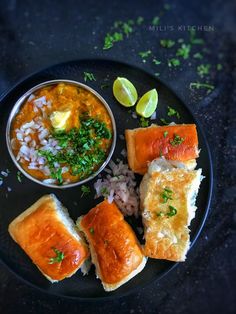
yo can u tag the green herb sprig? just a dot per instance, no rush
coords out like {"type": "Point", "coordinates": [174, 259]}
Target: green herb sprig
{"type": "Point", "coordinates": [172, 112]}
{"type": "Point", "coordinates": [85, 190]}
{"type": "Point", "coordinates": [177, 140]}
{"type": "Point", "coordinates": [58, 258]}
{"type": "Point", "coordinates": [166, 195]}
{"type": "Point", "coordinates": [89, 76]}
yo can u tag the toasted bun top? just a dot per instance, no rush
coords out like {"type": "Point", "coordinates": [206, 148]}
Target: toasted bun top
{"type": "Point", "coordinates": [167, 237]}
{"type": "Point", "coordinates": [146, 144]}
{"type": "Point", "coordinates": [116, 247]}
{"type": "Point", "coordinates": [46, 226]}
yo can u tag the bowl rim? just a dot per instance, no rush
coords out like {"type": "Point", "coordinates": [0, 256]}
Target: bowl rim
{"type": "Point", "coordinates": [21, 100]}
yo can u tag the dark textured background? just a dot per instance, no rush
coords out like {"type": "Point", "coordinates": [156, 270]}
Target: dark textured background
{"type": "Point", "coordinates": [37, 34]}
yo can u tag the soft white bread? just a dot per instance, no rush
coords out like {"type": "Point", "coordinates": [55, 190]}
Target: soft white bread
{"type": "Point", "coordinates": [114, 248]}
{"type": "Point", "coordinates": [167, 196]}
{"type": "Point", "coordinates": [48, 236]}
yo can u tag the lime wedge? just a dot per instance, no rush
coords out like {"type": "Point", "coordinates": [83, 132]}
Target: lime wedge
{"type": "Point", "coordinates": [125, 92]}
{"type": "Point", "coordinates": [147, 104]}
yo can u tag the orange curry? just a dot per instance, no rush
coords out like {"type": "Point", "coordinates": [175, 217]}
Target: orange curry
{"type": "Point", "coordinates": [62, 133]}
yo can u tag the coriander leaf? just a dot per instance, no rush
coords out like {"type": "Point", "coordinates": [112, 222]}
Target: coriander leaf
{"type": "Point", "coordinates": [167, 43]}
{"type": "Point", "coordinates": [85, 190]}
{"type": "Point", "coordinates": [160, 214]}
{"type": "Point", "coordinates": [140, 20]}
{"type": "Point", "coordinates": [184, 51]}
{"type": "Point", "coordinates": [127, 29]}
{"type": "Point", "coordinates": [166, 195]}
{"type": "Point", "coordinates": [89, 76]}
{"type": "Point", "coordinates": [198, 55]}
{"type": "Point", "coordinates": [172, 212]}
{"type": "Point", "coordinates": [173, 62]}
{"type": "Point", "coordinates": [177, 140]}
{"type": "Point", "coordinates": [19, 176]}
{"type": "Point", "coordinates": [91, 230]}
{"type": "Point", "coordinates": [164, 121]}
{"type": "Point", "coordinates": [103, 86]}
{"type": "Point", "coordinates": [155, 21]}
{"type": "Point", "coordinates": [203, 69]}
{"type": "Point", "coordinates": [145, 54]}
{"type": "Point", "coordinates": [165, 134]}
{"type": "Point", "coordinates": [172, 112]}
{"type": "Point", "coordinates": [59, 257]}
{"type": "Point", "coordinates": [110, 39]}
{"type": "Point", "coordinates": [143, 122]}
{"type": "Point", "coordinates": [155, 61]}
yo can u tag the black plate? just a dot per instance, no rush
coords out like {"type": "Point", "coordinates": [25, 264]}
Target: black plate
{"type": "Point", "coordinates": [22, 195]}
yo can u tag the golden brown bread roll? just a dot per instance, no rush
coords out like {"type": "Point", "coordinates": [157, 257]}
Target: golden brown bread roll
{"type": "Point", "coordinates": [48, 236]}
{"type": "Point", "coordinates": [114, 247]}
{"type": "Point", "coordinates": [175, 142]}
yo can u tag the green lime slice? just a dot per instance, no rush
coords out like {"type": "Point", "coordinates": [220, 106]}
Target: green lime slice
{"type": "Point", "coordinates": [125, 92]}
{"type": "Point", "coordinates": [147, 104]}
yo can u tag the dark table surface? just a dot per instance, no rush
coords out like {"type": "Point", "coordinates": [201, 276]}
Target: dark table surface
{"type": "Point", "coordinates": [37, 34]}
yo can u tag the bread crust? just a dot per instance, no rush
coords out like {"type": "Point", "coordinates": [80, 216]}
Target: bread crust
{"type": "Point", "coordinates": [146, 144]}
{"type": "Point", "coordinates": [168, 237]}
{"type": "Point", "coordinates": [115, 250]}
{"type": "Point", "coordinates": [43, 227]}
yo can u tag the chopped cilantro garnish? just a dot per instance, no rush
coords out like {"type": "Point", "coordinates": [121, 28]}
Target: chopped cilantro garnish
{"type": "Point", "coordinates": [19, 176]}
{"type": "Point", "coordinates": [155, 21]}
{"type": "Point", "coordinates": [172, 212]}
{"type": "Point", "coordinates": [164, 121]}
{"type": "Point", "coordinates": [89, 76]}
{"type": "Point", "coordinates": [145, 54]}
{"type": "Point", "coordinates": [177, 140]}
{"type": "Point", "coordinates": [172, 112]}
{"type": "Point", "coordinates": [165, 134]}
{"type": "Point", "coordinates": [140, 20]}
{"type": "Point", "coordinates": [104, 191]}
{"type": "Point", "coordinates": [127, 29]}
{"type": "Point", "coordinates": [143, 122]}
{"type": "Point", "coordinates": [160, 214]}
{"type": "Point", "coordinates": [167, 43]}
{"type": "Point", "coordinates": [91, 230]}
{"type": "Point", "coordinates": [59, 256]}
{"type": "Point", "coordinates": [57, 174]}
{"type": "Point", "coordinates": [110, 39]}
{"type": "Point", "coordinates": [103, 86]}
{"type": "Point", "coordinates": [85, 190]}
{"type": "Point", "coordinates": [166, 195]}
{"type": "Point", "coordinates": [173, 62]}
{"type": "Point", "coordinates": [155, 61]}
{"type": "Point", "coordinates": [198, 55]}
{"type": "Point", "coordinates": [203, 69]}
{"type": "Point", "coordinates": [81, 149]}
{"type": "Point", "coordinates": [184, 51]}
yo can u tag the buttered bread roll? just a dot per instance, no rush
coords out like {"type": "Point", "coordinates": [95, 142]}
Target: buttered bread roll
{"type": "Point", "coordinates": [115, 250]}
{"type": "Point", "coordinates": [167, 199]}
{"type": "Point", "coordinates": [177, 142]}
{"type": "Point", "coordinates": [48, 236]}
